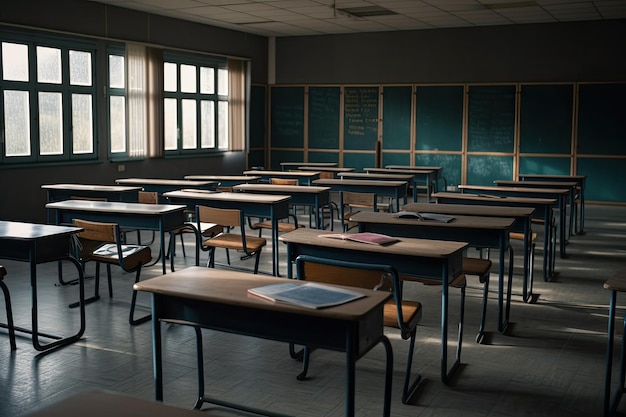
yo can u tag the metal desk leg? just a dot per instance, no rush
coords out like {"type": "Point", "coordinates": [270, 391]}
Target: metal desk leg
{"type": "Point", "coordinates": [612, 401]}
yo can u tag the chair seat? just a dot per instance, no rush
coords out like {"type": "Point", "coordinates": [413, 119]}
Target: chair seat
{"type": "Point", "coordinates": [229, 241]}
{"type": "Point", "coordinates": [141, 256]}
{"type": "Point", "coordinates": [411, 314]}
{"type": "Point", "coordinates": [520, 236]}
{"type": "Point", "coordinates": [283, 227]}
{"type": "Point", "coordinates": [477, 266]}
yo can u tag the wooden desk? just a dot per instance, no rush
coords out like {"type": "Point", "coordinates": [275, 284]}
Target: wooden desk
{"type": "Point", "coordinates": [161, 186]}
{"type": "Point", "coordinates": [225, 180]}
{"type": "Point", "coordinates": [158, 217]}
{"type": "Point", "coordinates": [218, 300]}
{"type": "Point", "coordinates": [314, 197]}
{"type": "Point", "coordinates": [437, 169]}
{"type": "Point", "coordinates": [422, 176]}
{"type": "Point", "coordinates": [557, 193]}
{"type": "Point", "coordinates": [37, 244]}
{"type": "Point", "coordinates": [612, 397]}
{"type": "Point", "coordinates": [286, 165]}
{"type": "Point", "coordinates": [543, 211]}
{"type": "Point", "coordinates": [96, 403]}
{"type": "Point", "coordinates": [392, 189]}
{"type": "Point", "coordinates": [580, 182]}
{"type": "Point", "coordinates": [408, 178]}
{"type": "Point", "coordinates": [273, 207]}
{"type": "Point", "coordinates": [570, 186]}
{"type": "Point", "coordinates": [479, 232]}
{"type": "Point", "coordinates": [60, 192]}
{"type": "Point", "coordinates": [303, 177]}
{"type": "Point", "coordinates": [329, 171]}
{"type": "Point", "coordinates": [437, 260]}
{"type": "Point", "coordinates": [522, 224]}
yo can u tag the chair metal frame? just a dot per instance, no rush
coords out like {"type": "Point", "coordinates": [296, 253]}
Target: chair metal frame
{"type": "Point", "coordinates": [7, 301]}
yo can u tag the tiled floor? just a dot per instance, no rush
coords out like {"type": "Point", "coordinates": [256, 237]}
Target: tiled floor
{"type": "Point", "coordinates": [552, 363]}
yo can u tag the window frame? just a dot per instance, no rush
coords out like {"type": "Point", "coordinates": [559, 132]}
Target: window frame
{"type": "Point", "coordinates": [33, 87]}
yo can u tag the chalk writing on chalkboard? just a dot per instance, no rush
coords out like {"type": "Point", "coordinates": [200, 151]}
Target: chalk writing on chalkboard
{"type": "Point", "coordinates": [324, 117]}
{"type": "Point", "coordinates": [360, 117]}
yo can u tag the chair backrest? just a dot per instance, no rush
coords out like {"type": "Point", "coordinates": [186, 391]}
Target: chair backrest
{"type": "Point", "coordinates": [148, 197]}
{"type": "Point", "coordinates": [222, 217]}
{"type": "Point", "coordinates": [101, 232]}
{"type": "Point", "coordinates": [359, 200]}
{"type": "Point", "coordinates": [325, 175]}
{"type": "Point", "coordinates": [284, 181]}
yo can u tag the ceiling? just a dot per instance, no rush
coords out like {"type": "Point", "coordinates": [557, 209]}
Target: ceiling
{"type": "Point", "coordinates": [276, 18]}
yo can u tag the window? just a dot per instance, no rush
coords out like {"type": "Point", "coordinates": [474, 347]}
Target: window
{"type": "Point", "coordinates": [195, 104]}
{"type": "Point", "coordinates": [48, 99]}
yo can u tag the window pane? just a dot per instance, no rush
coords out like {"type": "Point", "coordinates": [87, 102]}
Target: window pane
{"type": "Point", "coordinates": [188, 78]}
{"type": "Point", "coordinates": [16, 123]}
{"type": "Point", "coordinates": [82, 124]}
{"type": "Point", "coordinates": [170, 122]}
{"type": "Point", "coordinates": [14, 62]}
{"type": "Point", "coordinates": [222, 82]}
{"type": "Point", "coordinates": [116, 71]}
{"type": "Point", "coordinates": [169, 77]}
{"type": "Point", "coordinates": [190, 129]}
{"type": "Point", "coordinates": [50, 124]}
{"type": "Point", "coordinates": [80, 68]}
{"type": "Point", "coordinates": [207, 124]}
{"type": "Point", "coordinates": [117, 121]}
{"type": "Point", "coordinates": [222, 124]}
{"type": "Point", "coordinates": [207, 80]}
{"type": "Point", "coordinates": [48, 65]}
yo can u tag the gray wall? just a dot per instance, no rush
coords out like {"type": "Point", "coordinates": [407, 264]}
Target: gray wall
{"type": "Point", "coordinates": [579, 51]}
{"type": "Point", "coordinates": [23, 185]}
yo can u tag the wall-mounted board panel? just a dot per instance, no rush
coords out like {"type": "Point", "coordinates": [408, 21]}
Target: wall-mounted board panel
{"type": "Point", "coordinates": [544, 165]}
{"type": "Point", "coordinates": [323, 122]}
{"type": "Point", "coordinates": [484, 170]}
{"type": "Point", "coordinates": [287, 118]}
{"type": "Point", "coordinates": [397, 117]}
{"type": "Point", "coordinates": [360, 129]}
{"type": "Point", "coordinates": [605, 178]}
{"type": "Point", "coordinates": [602, 119]}
{"type": "Point", "coordinates": [439, 118]}
{"type": "Point", "coordinates": [491, 120]}
{"type": "Point", "coordinates": [358, 161]}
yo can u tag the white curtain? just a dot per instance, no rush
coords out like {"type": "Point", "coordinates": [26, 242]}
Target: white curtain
{"type": "Point", "coordinates": [136, 94]}
{"type": "Point", "coordinates": [237, 104]}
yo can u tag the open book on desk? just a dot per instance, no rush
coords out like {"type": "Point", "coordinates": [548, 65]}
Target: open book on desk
{"type": "Point", "coordinates": [435, 217]}
{"type": "Point", "coordinates": [110, 249]}
{"type": "Point", "coordinates": [310, 294]}
{"type": "Point", "coordinates": [365, 237]}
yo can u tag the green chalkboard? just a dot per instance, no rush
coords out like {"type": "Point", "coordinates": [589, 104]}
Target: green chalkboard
{"type": "Point", "coordinates": [491, 120]}
{"type": "Point", "coordinates": [287, 118]}
{"type": "Point", "coordinates": [544, 165]}
{"type": "Point", "coordinates": [360, 125]}
{"type": "Point", "coordinates": [324, 106]}
{"type": "Point", "coordinates": [323, 156]}
{"type": "Point", "coordinates": [439, 118]}
{"type": "Point", "coordinates": [258, 119]}
{"type": "Point", "coordinates": [451, 164]}
{"type": "Point", "coordinates": [604, 178]}
{"type": "Point", "coordinates": [279, 156]}
{"type": "Point", "coordinates": [546, 118]}
{"type": "Point", "coordinates": [484, 170]}
{"type": "Point", "coordinates": [397, 117]}
{"type": "Point", "coordinates": [358, 161]}
{"type": "Point", "coordinates": [396, 158]}
{"type": "Point", "coordinates": [601, 121]}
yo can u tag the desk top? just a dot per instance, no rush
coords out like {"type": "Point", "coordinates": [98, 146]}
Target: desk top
{"type": "Point", "coordinates": [617, 281]}
{"type": "Point", "coordinates": [33, 231]}
{"type": "Point", "coordinates": [236, 197]}
{"type": "Point", "coordinates": [405, 246]}
{"type": "Point", "coordinates": [543, 184]}
{"type": "Point", "coordinates": [376, 176]}
{"type": "Point", "coordinates": [89, 187]}
{"type": "Point", "coordinates": [242, 178]}
{"type": "Point", "coordinates": [501, 201]}
{"type": "Point", "coordinates": [415, 167]}
{"type": "Point", "coordinates": [494, 188]}
{"type": "Point", "coordinates": [555, 177]}
{"type": "Point", "coordinates": [283, 173]}
{"type": "Point", "coordinates": [106, 404]}
{"type": "Point", "coordinates": [459, 221]}
{"type": "Point", "coordinates": [115, 207]}
{"type": "Point", "coordinates": [470, 210]}
{"type": "Point", "coordinates": [374, 183]}
{"type": "Point", "coordinates": [231, 288]}
{"type": "Point", "coordinates": [323, 168]}
{"type": "Point", "coordinates": [413, 171]}
{"type": "Point", "coordinates": [287, 189]}
{"type": "Point", "coordinates": [159, 181]}
{"type": "Point", "coordinates": [309, 164]}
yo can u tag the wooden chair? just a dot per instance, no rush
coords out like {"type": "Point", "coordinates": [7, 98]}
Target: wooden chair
{"type": "Point", "coordinates": [221, 237]}
{"type": "Point", "coordinates": [283, 226]}
{"type": "Point", "coordinates": [7, 301]}
{"type": "Point", "coordinates": [101, 243]}
{"type": "Point", "coordinates": [351, 203]}
{"type": "Point", "coordinates": [398, 313]}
